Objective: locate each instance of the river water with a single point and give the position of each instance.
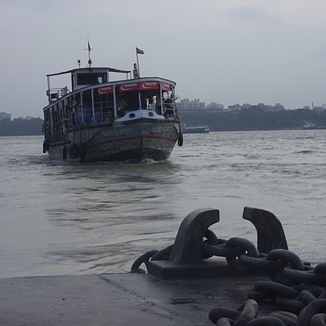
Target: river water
(59, 218)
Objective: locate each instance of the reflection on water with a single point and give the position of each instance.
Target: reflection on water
(60, 218)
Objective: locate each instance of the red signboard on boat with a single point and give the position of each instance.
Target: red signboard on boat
(128, 87)
(138, 85)
(133, 86)
(149, 85)
(105, 90)
(166, 87)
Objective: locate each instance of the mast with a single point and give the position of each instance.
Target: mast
(89, 49)
(139, 51)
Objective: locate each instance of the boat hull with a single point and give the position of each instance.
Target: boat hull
(118, 141)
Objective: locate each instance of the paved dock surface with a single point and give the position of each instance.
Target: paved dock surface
(117, 299)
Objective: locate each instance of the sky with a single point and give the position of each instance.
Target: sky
(223, 51)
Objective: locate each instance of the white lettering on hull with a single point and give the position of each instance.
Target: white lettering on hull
(120, 132)
(160, 129)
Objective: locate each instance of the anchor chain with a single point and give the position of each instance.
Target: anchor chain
(281, 265)
(297, 288)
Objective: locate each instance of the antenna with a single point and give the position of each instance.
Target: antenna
(89, 49)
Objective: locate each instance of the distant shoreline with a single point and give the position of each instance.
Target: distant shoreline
(247, 119)
(20, 127)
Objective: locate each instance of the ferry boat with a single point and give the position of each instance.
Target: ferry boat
(102, 120)
(195, 130)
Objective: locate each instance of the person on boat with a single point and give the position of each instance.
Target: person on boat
(168, 107)
(150, 102)
(65, 126)
(83, 113)
(122, 105)
(87, 113)
(73, 118)
(168, 103)
(158, 107)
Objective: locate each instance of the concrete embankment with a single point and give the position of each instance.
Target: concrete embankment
(118, 299)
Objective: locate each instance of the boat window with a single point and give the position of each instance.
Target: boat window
(91, 78)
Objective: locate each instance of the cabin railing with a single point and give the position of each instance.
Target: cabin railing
(54, 94)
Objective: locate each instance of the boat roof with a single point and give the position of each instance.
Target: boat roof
(88, 69)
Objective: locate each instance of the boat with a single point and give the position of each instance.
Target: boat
(195, 129)
(309, 125)
(99, 119)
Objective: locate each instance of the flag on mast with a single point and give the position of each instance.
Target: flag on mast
(139, 51)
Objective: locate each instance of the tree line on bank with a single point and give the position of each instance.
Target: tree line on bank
(20, 127)
(253, 118)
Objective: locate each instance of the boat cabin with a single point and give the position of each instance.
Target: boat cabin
(81, 78)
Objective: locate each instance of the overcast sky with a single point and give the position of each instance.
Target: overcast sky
(226, 51)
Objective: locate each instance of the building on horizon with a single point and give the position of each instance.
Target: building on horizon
(196, 104)
(4, 115)
(214, 107)
(238, 107)
(276, 107)
(235, 107)
(187, 104)
(26, 118)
